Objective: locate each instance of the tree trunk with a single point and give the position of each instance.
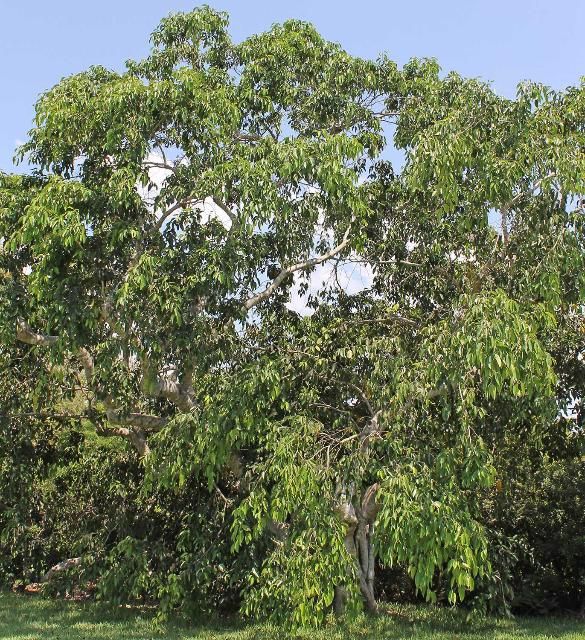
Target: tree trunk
(359, 544)
(339, 601)
(364, 554)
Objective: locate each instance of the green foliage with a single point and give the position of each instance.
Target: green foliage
(148, 269)
(427, 524)
(295, 584)
(537, 525)
(59, 502)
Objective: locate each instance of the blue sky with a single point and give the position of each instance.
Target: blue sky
(500, 41)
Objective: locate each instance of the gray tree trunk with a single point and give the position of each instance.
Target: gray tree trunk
(359, 544)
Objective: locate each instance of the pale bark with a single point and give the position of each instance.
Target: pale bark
(359, 517)
(61, 566)
(179, 394)
(134, 435)
(229, 213)
(359, 521)
(142, 421)
(371, 431)
(507, 207)
(307, 264)
(27, 335)
(504, 220)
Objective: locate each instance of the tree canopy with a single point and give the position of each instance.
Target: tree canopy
(173, 212)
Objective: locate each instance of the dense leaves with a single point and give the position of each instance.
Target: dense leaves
(179, 272)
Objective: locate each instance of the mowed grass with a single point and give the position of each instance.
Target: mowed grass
(32, 618)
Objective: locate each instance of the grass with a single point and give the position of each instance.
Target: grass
(33, 618)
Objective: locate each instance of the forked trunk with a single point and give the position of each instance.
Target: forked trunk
(359, 544)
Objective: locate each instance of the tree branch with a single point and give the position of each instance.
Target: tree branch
(87, 363)
(158, 387)
(142, 421)
(504, 221)
(149, 164)
(370, 431)
(247, 137)
(61, 566)
(391, 318)
(135, 436)
(165, 215)
(369, 506)
(505, 208)
(229, 213)
(263, 295)
(27, 335)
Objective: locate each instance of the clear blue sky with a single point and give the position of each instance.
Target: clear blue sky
(503, 41)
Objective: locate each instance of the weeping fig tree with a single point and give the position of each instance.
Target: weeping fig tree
(176, 212)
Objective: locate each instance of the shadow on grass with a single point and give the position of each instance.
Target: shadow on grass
(35, 618)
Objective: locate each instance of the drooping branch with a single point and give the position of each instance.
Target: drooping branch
(284, 273)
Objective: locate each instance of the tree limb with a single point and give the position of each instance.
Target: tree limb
(168, 212)
(27, 335)
(142, 421)
(370, 431)
(61, 566)
(136, 421)
(263, 295)
(504, 221)
(158, 387)
(369, 507)
(135, 436)
(505, 208)
(229, 213)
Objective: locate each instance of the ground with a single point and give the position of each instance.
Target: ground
(35, 618)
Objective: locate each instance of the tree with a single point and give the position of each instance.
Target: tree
(172, 212)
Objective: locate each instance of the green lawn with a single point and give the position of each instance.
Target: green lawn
(31, 618)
